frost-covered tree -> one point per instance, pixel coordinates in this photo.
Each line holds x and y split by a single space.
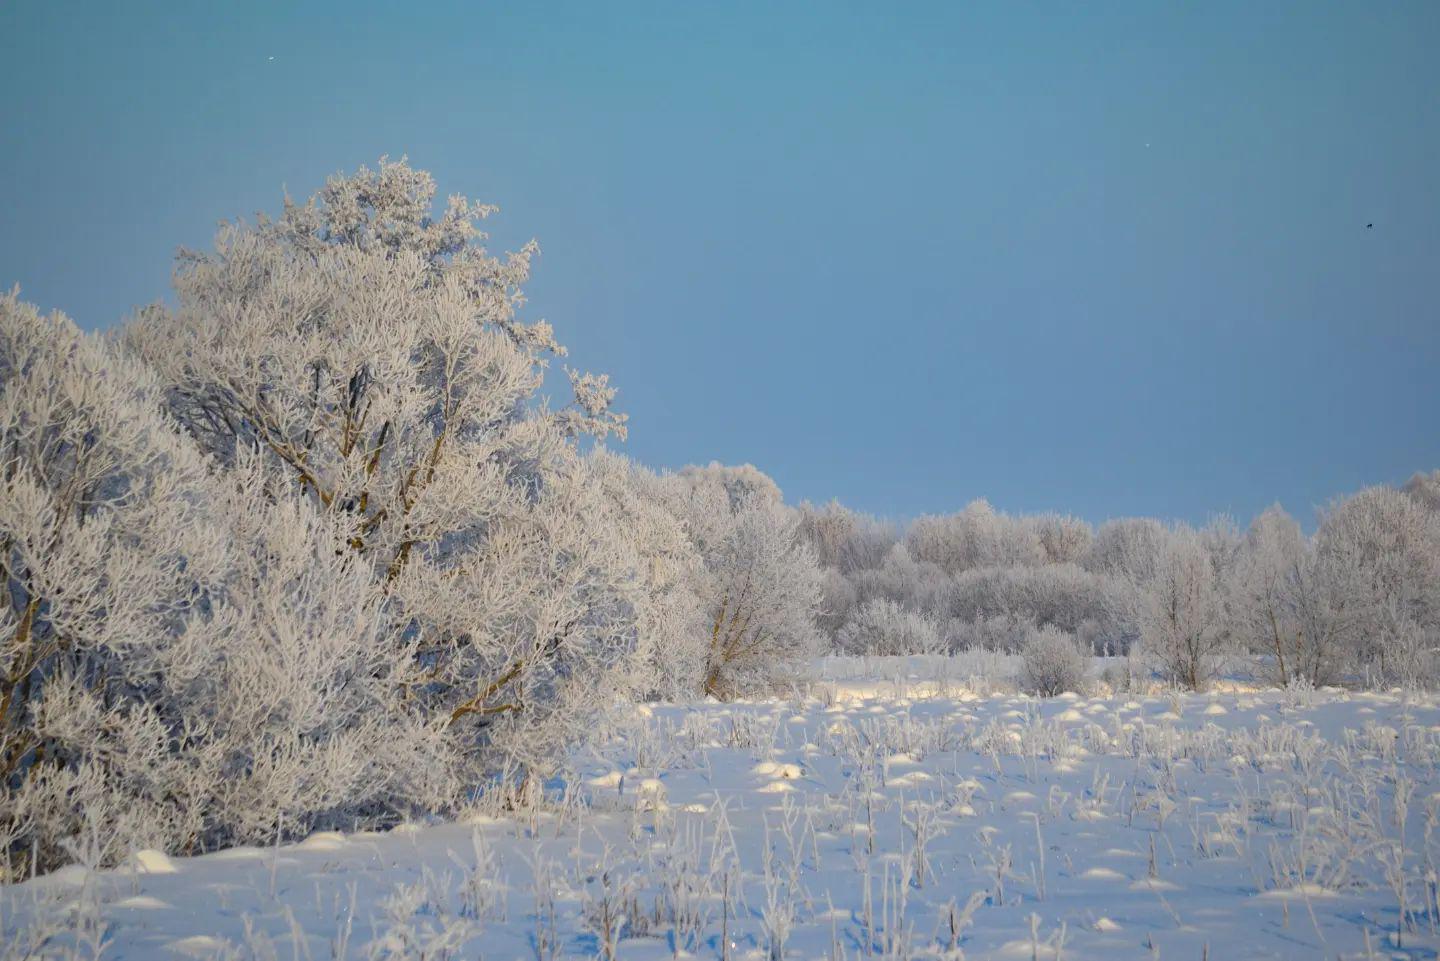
999 632
1064 539
1182 608
1264 589
885 628
1127 547
185 664
761 587
1378 577
1063 595
371 355
741 483
1273 603
851 548
978 536
838 599
1425 488
669 612
918 585
102 541
845 540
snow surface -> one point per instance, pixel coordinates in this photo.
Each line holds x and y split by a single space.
1254 824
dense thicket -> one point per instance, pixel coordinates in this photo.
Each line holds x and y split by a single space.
1359 601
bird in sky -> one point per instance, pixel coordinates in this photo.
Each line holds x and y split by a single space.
1369 226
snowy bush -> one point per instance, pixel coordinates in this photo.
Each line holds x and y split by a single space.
188 662
1052 662
760 587
105 538
1064 595
1005 633
920 585
669 612
885 628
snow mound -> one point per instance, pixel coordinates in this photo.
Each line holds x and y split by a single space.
141 902
778 769
150 861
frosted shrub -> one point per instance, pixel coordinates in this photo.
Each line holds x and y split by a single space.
188 662
1001 632
1065 595
307 700
759 585
885 628
764 593
1052 662
920 585
849 547
1097 639
669 613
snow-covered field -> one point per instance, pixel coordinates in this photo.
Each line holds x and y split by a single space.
865 820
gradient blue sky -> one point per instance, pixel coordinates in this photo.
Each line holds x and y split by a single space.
1104 258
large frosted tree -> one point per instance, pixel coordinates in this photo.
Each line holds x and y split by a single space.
371 354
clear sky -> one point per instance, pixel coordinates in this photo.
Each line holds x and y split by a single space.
1104 258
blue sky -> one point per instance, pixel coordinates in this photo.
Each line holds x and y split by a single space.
1109 259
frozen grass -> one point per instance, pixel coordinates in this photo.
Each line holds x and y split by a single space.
967 673
1279 824
918 675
